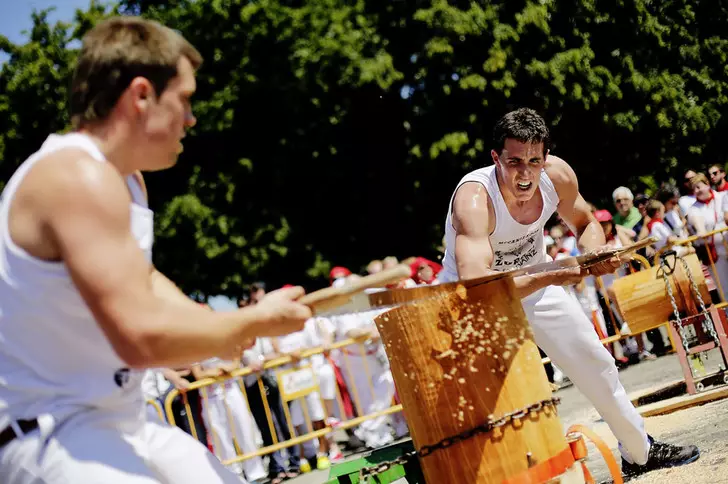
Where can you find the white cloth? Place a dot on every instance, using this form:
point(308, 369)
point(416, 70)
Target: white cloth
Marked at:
point(514, 244)
point(92, 448)
point(684, 203)
point(54, 357)
point(712, 215)
point(367, 378)
point(676, 224)
point(563, 331)
point(227, 416)
point(299, 341)
point(662, 232)
point(154, 384)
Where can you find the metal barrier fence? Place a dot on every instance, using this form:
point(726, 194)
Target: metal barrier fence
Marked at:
point(298, 384)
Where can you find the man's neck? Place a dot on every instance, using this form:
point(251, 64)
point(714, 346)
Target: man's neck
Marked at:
point(113, 144)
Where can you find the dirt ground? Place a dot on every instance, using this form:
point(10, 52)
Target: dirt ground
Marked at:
point(705, 426)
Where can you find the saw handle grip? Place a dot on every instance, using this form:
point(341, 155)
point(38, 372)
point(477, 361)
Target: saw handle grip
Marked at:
point(333, 297)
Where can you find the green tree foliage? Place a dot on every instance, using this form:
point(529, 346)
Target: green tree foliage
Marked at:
point(332, 132)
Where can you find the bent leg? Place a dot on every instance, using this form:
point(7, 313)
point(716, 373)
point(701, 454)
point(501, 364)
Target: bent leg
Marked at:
point(566, 335)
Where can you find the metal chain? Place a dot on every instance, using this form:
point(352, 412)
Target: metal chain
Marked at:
point(708, 321)
point(664, 271)
point(490, 424)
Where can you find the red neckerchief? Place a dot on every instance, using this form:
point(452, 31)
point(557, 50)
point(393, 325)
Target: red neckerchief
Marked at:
point(653, 222)
point(712, 197)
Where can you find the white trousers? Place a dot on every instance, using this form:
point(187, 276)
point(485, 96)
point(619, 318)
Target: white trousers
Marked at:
point(95, 448)
point(227, 410)
point(374, 395)
point(567, 336)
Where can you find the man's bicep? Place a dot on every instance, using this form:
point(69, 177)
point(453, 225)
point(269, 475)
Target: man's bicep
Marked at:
point(473, 252)
point(92, 230)
point(474, 256)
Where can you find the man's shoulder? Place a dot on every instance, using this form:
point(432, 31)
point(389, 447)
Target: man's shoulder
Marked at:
point(72, 178)
point(558, 170)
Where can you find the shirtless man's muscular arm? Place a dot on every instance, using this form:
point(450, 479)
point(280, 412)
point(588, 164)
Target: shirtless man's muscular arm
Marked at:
point(574, 210)
point(473, 252)
point(74, 209)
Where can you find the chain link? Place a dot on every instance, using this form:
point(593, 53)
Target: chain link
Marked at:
point(664, 271)
point(708, 322)
point(491, 424)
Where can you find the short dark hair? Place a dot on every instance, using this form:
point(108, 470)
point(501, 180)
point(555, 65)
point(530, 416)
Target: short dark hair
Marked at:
point(667, 193)
point(641, 199)
point(524, 125)
point(719, 167)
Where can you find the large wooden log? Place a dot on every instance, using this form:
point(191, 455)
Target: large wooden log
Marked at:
point(643, 301)
point(460, 358)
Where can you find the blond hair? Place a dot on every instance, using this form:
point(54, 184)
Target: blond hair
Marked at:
point(116, 51)
point(698, 178)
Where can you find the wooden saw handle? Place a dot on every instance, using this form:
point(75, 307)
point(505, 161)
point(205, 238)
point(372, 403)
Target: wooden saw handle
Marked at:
point(333, 297)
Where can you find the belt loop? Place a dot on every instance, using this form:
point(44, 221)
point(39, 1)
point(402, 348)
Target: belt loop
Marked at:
point(18, 431)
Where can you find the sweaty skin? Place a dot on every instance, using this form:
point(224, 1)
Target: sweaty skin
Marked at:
point(519, 167)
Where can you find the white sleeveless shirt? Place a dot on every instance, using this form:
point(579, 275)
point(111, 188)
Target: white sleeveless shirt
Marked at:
point(54, 358)
point(514, 244)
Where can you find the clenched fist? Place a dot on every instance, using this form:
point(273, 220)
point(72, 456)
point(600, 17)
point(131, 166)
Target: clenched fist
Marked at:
point(280, 314)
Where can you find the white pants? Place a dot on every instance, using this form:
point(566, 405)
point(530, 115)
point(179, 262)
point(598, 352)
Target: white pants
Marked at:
point(95, 448)
point(373, 396)
point(564, 332)
point(228, 409)
point(326, 380)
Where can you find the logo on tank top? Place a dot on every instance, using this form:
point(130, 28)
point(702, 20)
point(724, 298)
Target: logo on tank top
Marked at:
point(122, 377)
point(515, 253)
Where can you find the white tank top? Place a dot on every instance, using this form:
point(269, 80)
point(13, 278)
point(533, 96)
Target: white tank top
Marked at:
point(514, 244)
point(54, 359)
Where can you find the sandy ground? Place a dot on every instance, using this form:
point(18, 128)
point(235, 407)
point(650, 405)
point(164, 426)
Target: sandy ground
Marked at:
point(705, 426)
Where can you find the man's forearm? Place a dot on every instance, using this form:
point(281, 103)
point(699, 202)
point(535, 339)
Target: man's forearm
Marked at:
point(164, 288)
point(527, 285)
point(591, 237)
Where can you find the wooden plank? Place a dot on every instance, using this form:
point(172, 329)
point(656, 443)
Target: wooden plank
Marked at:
point(639, 396)
point(685, 401)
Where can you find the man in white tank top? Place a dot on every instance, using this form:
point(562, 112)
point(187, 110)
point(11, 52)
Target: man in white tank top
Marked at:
point(496, 223)
point(83, 313)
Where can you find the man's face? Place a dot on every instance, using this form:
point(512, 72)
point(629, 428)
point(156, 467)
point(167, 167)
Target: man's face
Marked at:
point(520, 166)
point(716, 176)
point(164, 119)
point(686, 181)
point(623, 204)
